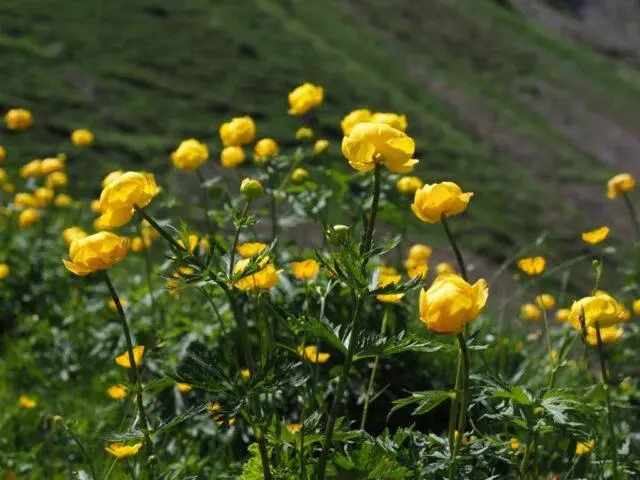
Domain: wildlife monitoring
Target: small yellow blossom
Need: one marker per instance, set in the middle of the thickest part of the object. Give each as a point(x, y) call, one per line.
point(432, 202)
point(190, 155)
point(299, 176)
point(546, 301)
point(305, 270)
point(408, 185)
point(264, 149)
point(585, 448)
point(62, 200)
point(444, 267)
point(184, 387)
point(231, 157)
point(251, 249)
point(28, 217)
point(27, 402)
point(562, 315)
point(245, 373)
point(620, 185)
point(237, 132)
point(532, 265)
point(320, 145)
point(311, 353)
point(192, 243)
point(514, 444)
point(293, 427)
point(120, 450)
point(304, 133)
point(596, 236)
point(112, 304)
point(4, 271)
point(18, 119)
point(123, 360)
point(304, 98)
point(117, 392)
point(530, 311)
point(82, 138)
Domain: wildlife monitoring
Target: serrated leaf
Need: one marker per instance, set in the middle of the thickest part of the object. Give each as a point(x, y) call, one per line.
point(426, 401)
point(375, 344)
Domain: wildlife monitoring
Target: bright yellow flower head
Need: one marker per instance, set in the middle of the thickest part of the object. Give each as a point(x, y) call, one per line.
point(299, 176)
point(293, 427)
point(305, 270)
point(31, 169)
point(530, 311)
point(420, 252)
point(18, 119)
point(304, 133)
point(82, 138)
point(71, 233)
point(50, 165)
point(585, 448)
point(123, 360)
point(607, 334)
point(394, 120)
point(596, 236)
point(117, 392)
point(4, 271)
point(532, 265)
point(304, 98)
point(416, 268)
point(251, 249)
point(546, 301)
point(409, 185)
point(43, 196)
point(264, 149)
point(121, 195)
point(111, 176)
point(433, 201)
point(62, 200)
point(620, 184)
point(264, 279)
point(320, 145)
point(27, 402)
point(136, 245)
point(120, 450)
point(99, 251)
point(237, 132)
point(354, 118)
point(231, 157)
point(184, 387)
point(193, 243)
point(383, 281)
point(190, 154)
point(562, 315)
point(24, 200)
point(600, 309)
point(311, 353)
point(56, 179)
point(450, 303)
point(28, 217)
point(514, 444)
point(371, 143)
point(245, 373)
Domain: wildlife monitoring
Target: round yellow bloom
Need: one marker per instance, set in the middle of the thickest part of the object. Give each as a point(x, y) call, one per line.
point(394, 120)
point(184, 387)
point(445, 267)
point(27, 402)
point(31, 169)
point(620, 184)
point(354, 118)
point(82, 138)
point(111, 176)
point(120, 450)
point(562, 315)
point(231, 157)
point(50, 165)
point(420, 253)
point(190, 154)
point(600, 309)
point(596, 236)
point(320, 145)
point(311, 353)
point(18, 119)
point(264, 149)
point(43, 196)
point(28, 217)
point(585, 448)
point(117, 392)
point(383, 281)
point(416, 268)
point(305, 270)
point(71, 233)
point(3, 154)
point(299, 176)
point(24, 200)
point(451, 303)
point(99, 251)
point(293, 427)
point(251, 188)
point(532, 265)
point(251, 249)
point(136, 244)
point(530, 311)
point(409, 185)
point(607, 335)
point(433, 201)
point(4, 271)
point(245, 373)
point(304, 98)
point(124, 361)
point(239, 131)
point(304, 133)
point(121, 195)
point(546, 301)
point(514, 444)
point(62, 200)
point(264, 279)
point(371, 143)
point(56, 179)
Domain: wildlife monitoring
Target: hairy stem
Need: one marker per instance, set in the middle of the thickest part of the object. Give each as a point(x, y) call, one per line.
point(605, 384)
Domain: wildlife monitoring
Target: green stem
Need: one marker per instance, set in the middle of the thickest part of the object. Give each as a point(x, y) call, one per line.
point(232, 253)
point(205, 202)
point(632, 214)
point(367, 397)
point(149, 272)
point(83, 451)
point(134, 368)
point(454, 245)
point(368, 236)
point(464, 402)
point(453, 413)
point(605, 384)
point(547, 332)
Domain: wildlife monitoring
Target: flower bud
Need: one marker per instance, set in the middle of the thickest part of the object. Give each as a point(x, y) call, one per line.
point(337, 234)
point(251, 188)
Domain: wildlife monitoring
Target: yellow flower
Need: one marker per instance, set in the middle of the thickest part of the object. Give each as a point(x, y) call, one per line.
point(299, 175)
point(264, 279)
point(251, 188)
point(111, 177)
point(117, 392)
point(3, 154)
point(383, 281)
point(445, 267)
point(546, 301)
point(136, 244)
point(190, 154)
point(320, 145)
point(231, 157)
point(416, 268)
point(409, 185)
point(4, 271)
point(95, 206)
point(514, 444)
point(251, 249)
point(24, 200)
point(214, 407)
point(123, 360)
point(396, 121)
point(28, 217)
point(18, 119)
point(372, 143)
point(245, 373)
point(311, 353)
point(120, 450)
point(530, 311)
point(99, 251)
point(562, 315)
point(56, 179)
point(354, 118)
point(50, 165)
point(420, 253)
point(304, 133)
point(619, 185)
point(184, 387)
point(600, 309)
point(121, 195)
point(43, 196)
point(636, 307)
point(264, 149)
point(71, 233)
point(204, 244)
point(431, 202)
point(450, 303)
point(82, 137)
point(239, 131)
point(532, 265)
point(31, 169)
point(304, 98)
point(585, 448)
point(305, 270)
point(607, 335)
point(112, 304)
point(27, 402)
point(193, 243)
point(293, 427)
point(596, 236)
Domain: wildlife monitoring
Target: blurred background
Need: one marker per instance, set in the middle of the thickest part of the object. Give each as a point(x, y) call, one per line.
point(532, 104)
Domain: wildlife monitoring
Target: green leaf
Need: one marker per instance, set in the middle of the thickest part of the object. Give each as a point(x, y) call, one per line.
point(515, 394)
point(375, 344)
point(426, 401)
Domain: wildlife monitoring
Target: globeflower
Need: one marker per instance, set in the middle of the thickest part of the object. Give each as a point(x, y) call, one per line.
point(312, 353)
point(119, 197)
point(607, 335)
point(25, 200)
point(184, 387)
point(546, 301)
point(304, 98)
point(50, 165)
point(237, 132)
point(320, 145)
point(409, 185)
point(251, 249)
point(120, 450)
point(299, 176)
point(31, 169)
point(27, 402)
point(265, 149)
point(530, 311)
point(394, 120)
point(82, 138)
point(124, 361)
point(117, 392)
point(99, 251)
point(72, 233)
point(602, 310)
point(305, 270)
point(18, 119)
point(304, 133)
point(252, 189)
point(62, 200)
point(264, 279)
point(43, 196)
point(369, 144)
point(354, 118)
point(583, 448)
point(532, 265)
point(231, 157)
point(619, 185)
point(445, 267)
point(383, 281)
point(562, 315)
point(190, 154)
point(4, 271)
point(111, 176)
point(451, 303)
point(56, 179)
point(28, 217)
point(434, 201)
point(596, 236)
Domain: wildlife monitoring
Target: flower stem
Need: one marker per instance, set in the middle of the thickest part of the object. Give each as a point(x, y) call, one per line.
point(134, 368)
point(633, 215)
point(205, 202)
point(547, 332)
point(82, 450)
point(367, 397)
point(368, 235)
point(232, 253)
point(464, 402)
point(454, 245)
point(605, 384)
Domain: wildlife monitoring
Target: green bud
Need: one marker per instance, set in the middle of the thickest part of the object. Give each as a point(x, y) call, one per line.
point(251, 189)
